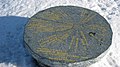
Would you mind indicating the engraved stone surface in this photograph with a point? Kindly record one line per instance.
(67, 34)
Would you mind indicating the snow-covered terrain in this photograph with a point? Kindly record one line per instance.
(15, 13)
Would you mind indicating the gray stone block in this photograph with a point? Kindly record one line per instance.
(67, 36)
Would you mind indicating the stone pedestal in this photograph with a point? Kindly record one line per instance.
(67, 36)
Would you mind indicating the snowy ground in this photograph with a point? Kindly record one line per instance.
(15, 13)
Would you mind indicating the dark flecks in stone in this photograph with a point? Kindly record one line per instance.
(83, 30)
(28, 40)
(92, 33)
(101, 40)
(86, 14)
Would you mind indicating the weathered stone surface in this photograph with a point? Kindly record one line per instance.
(67, 34)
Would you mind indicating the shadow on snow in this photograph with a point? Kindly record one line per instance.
(11, 42)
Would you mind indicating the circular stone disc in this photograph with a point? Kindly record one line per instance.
(67, 34)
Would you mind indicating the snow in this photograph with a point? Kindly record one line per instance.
(14, 15)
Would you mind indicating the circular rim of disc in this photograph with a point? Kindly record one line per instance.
(75, 25)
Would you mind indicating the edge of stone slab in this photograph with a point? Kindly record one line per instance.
(44, 61)
(89, 62)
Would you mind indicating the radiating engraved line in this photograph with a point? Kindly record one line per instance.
(71, 43)
(83, 12)
(64, 59)
(96, 26)
(54, 38)
(59, 53)
(48, 28)
(84, 41)
(52, 15)
(42, 27)
(48, 40)
(53, 51)
(95, 37)
(65, 14)
(63, 37)
(82, 15)
(56, 52)
(89, 18)
(84, 19)
(77, 41)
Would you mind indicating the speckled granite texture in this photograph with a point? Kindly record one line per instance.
(67, 34)
(12, 53)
